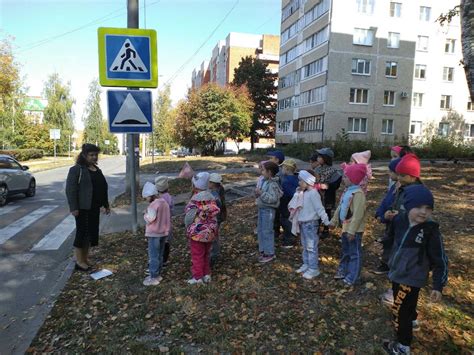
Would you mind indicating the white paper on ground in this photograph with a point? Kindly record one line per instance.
(101, 274)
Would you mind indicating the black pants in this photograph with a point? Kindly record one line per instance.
(386, 246)
(405, 299)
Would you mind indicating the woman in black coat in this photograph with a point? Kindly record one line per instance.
(87, 193)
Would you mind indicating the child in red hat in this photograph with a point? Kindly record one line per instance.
(351, 216)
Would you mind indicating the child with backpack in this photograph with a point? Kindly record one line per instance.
(218, 191)
(201, 228)
(162, 186)
(158, 224)
(289, 184)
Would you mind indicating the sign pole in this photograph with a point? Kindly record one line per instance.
(54, 148)
(132, 22)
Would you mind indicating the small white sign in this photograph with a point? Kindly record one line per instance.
(101, 274)
(106, 142)
(54, 134)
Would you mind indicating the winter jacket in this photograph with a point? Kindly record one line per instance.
(271, 193)
(216, 195)
(399, 200)
(158, 218)
(415, 251)
(201, 217)
(289, 184)
(386, 203)
(356, 216)
(313, 209)
(79, 189)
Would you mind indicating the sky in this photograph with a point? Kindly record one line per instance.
(61, 36)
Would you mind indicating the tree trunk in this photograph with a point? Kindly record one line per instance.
(467, 40)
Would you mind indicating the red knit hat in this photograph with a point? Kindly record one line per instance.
(355, 172)
(409, 165)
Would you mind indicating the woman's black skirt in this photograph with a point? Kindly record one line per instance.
(87, 228)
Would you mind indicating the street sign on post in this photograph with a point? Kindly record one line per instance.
(130, 111)
(128, 57)
(54, 134)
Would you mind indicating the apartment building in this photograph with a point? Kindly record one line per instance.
(351, 65)
(228, 53)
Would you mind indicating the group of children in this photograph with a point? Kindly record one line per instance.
(412, 244)
(301, 204)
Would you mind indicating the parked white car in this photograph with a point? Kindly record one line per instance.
(15, 179)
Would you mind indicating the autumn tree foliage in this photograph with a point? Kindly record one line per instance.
(164, 119)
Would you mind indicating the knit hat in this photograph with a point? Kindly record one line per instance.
(201, 181)
(289, 163)
(307, 177)
(417, 195)
(362, 157)
(409, 165)
(215, 178)
(161, 183)
(149, 190)
(393, 164)
(397, 149)
(355, 172)
(277, 154)
(326, 151)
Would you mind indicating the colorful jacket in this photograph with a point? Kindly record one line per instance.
(356, 216)
(201, 217)
(416, 250)
(399, 200)
(158, 219)
(271, 193)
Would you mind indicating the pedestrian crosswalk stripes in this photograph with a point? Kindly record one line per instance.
(14, 228)
(7, 209)
(54, 239)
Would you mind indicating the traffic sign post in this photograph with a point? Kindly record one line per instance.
(127, 57)
(54, 134)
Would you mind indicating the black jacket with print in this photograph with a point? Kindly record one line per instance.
(416, 250)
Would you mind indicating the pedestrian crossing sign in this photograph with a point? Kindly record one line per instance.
(128, 57)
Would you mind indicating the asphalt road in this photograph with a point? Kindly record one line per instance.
(35, 252)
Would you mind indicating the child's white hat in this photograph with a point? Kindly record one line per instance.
(161, 183)
(307, 177)
(149, 190)
(216, 178)
(201, 181)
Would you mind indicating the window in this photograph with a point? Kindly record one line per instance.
(288, 102)
(290, 79)
(420, 71)
(395, 9)
(425, 13)
(363, 37)
(469, 130)
(417, 99)
(449, 46)
(448, 74)
(389, 98)
(290, 9)
(445, 103)
(393, 40)
(422, 44)
(290, 55)
(313, 96)
(443, 129)
(317, 39)
(470, 106)
(5, 163)
(415, 128)
(391, 69)
(387, 126)
(360, 66)
(359, 96)
(283, 126)
(316, 67)
(357, 125)
(316, 12)
(290, 32)
(313, 123)
(365, 6)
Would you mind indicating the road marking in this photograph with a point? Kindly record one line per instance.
(20, 224)
(7, 209)
(54, 239)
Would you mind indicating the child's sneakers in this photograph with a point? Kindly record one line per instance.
(152, 281)
(339, 276)
(266, 258)
(415, 326)
(395, 348)
(387, 298)
(193, 281)
(303, 268)
(311, 274)
(206, 278)
(382, 269)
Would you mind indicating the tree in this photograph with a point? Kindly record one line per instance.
(164, 118)
(58, 113)
(93, 121)
(211, 114)
(260, 82)
(12, 118)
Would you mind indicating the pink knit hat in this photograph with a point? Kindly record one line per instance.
(397, 149)
(355, 172)
(362, 157)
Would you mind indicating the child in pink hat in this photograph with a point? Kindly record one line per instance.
(363, 159)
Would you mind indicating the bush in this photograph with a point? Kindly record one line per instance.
(443, 148)
(23, 154)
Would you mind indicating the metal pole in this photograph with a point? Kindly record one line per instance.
(69, 152)
(132, 22)
(54, 149)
